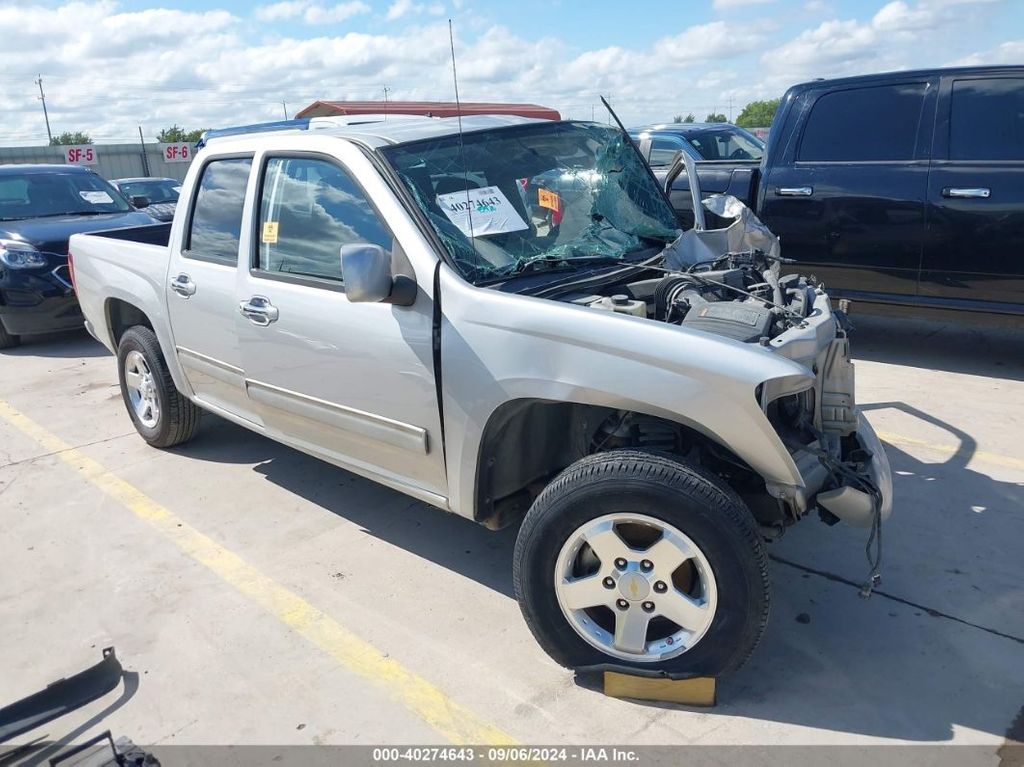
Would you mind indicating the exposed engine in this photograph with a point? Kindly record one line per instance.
(739, 295)
(742, 297)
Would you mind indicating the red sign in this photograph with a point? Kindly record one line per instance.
(179, 151)
(84, 154)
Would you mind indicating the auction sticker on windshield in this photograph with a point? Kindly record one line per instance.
(96, 198)
(480, 212)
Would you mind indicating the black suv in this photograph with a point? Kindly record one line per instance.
(41, 206)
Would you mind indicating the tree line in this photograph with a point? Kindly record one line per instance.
(756, 114)
(171, 135)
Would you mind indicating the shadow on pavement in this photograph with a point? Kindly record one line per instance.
(955, 348)
(70, 345)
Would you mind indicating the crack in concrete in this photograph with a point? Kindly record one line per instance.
(885, 595)
(58, 452)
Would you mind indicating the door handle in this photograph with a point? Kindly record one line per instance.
(967, 192)
(259, 310)
(183, 285)
(795, 191)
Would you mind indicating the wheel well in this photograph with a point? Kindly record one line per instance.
(122, 315)
(527, 442)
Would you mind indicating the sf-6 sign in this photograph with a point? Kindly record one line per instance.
(179, 151)
(82, 154)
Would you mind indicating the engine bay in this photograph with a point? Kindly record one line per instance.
(739, 296)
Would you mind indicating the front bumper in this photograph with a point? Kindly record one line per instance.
(851, 502)
(38, 301)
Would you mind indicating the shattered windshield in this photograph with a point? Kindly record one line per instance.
(538, 196)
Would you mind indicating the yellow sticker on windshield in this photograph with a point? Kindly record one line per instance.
(549, 200)
(270, 232)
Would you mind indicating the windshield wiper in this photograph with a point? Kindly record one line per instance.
(552, 264)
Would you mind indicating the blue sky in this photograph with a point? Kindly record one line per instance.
(111, 66)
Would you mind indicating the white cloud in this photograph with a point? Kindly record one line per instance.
(334, 14)
(310, 12)
(286, 10)
(401, 8)
(129, 68)
(712, 42)
(1011, 52)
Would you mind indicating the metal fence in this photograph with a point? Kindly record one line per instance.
(111, 160)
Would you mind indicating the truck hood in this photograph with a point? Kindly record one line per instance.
(51, 234)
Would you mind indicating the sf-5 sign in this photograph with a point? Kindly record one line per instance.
(179, 151)
(82, 154)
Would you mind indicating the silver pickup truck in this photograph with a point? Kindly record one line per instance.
(500, 319)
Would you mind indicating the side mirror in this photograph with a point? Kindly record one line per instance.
(139, 201)
(366, 270)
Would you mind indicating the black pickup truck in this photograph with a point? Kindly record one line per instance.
(903, 189)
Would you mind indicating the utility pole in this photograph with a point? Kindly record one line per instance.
(730, 109)
(145, 160)
(386, 89)
(42, 96)
(284, 106)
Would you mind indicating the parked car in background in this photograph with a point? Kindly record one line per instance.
(383, 297)
(41, 206)
(157, 196)
(702, 141)
(902, 190)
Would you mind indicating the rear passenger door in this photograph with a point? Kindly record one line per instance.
(847, 197)
(350, 382)
(973, 250)
(201, 281)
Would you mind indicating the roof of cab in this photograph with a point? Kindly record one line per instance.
(377, 134)
(21, 169)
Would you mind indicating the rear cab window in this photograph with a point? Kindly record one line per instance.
(308, 208)
(215, 224)
(873, 124)
(986, 120)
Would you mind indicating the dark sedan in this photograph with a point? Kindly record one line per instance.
(161, 194)
(41, 206)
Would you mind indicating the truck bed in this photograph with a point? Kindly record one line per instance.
(127, 265)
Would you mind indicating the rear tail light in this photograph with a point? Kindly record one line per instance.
(71, 271)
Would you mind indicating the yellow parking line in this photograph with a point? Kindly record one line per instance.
(978, 455)
(453, 721)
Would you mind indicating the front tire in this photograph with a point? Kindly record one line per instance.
(8, 340)
(639, 560)
(162, 415)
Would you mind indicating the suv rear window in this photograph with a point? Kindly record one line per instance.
(987, 119)
(216, 224)
(864, 124)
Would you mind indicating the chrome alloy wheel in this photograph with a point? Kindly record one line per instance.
(635, 587)
(141, 387)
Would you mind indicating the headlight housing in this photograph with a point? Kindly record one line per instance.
(15, 254)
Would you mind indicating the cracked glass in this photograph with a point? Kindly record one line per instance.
(541, 196)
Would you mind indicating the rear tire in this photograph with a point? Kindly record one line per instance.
(8, 340)
(661, 510)
(162, 415)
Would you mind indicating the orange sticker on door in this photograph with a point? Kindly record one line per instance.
(269, 232)
(548, 200)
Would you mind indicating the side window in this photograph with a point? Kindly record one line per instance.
(663, 150)
(216, 223)
(863, 124)
(309, 208)
(986, 120)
